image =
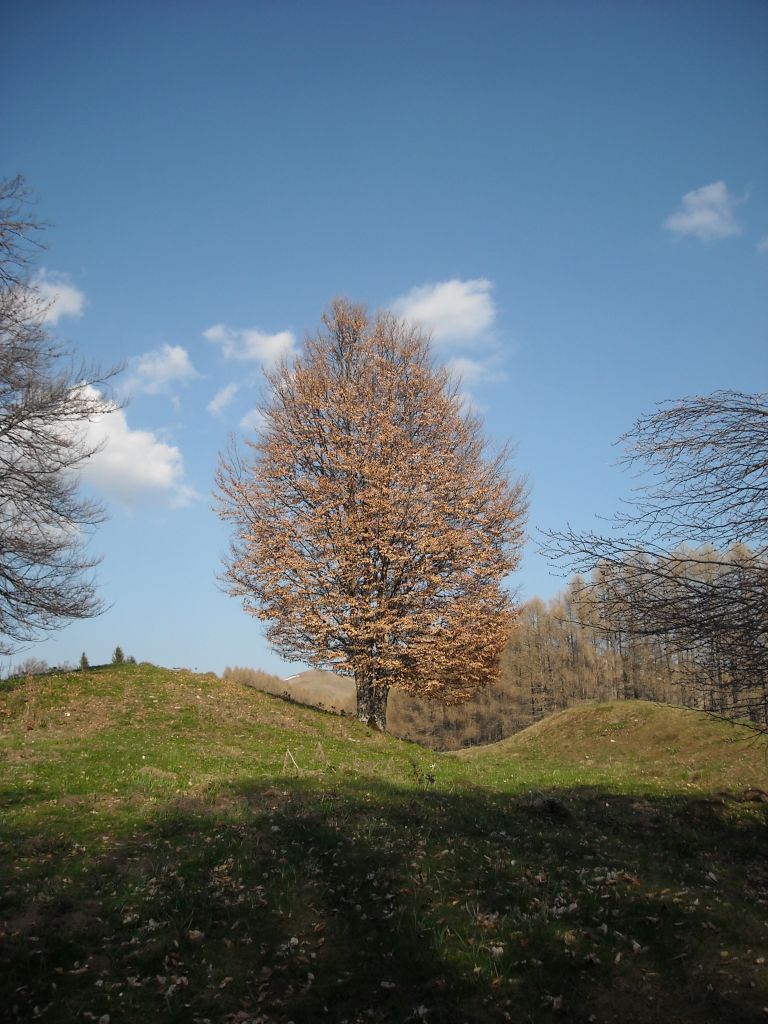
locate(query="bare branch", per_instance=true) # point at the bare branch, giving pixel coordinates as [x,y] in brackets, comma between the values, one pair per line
[45,402]
[687,563]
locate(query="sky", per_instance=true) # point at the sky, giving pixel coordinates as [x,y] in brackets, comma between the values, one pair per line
[572,197]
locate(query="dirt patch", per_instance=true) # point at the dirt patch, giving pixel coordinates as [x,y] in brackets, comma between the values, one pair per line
[27,756]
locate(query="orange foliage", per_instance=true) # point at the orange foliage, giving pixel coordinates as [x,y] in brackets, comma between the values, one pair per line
[372,529]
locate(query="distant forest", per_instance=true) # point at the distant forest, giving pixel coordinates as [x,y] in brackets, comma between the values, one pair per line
[576,648]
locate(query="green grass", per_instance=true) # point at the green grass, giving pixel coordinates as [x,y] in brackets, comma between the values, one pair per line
[175,848]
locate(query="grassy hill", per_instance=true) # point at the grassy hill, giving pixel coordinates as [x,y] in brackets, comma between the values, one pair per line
[631,745]
[177,848]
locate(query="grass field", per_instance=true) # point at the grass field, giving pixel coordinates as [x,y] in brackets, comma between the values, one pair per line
[175,848]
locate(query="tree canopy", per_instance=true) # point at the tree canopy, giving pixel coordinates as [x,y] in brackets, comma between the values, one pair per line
[373,530]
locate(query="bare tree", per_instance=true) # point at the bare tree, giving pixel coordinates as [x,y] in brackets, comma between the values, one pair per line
[372,528]
[18,241]
[45,404]
[687,561]
[29,667]
[706,460]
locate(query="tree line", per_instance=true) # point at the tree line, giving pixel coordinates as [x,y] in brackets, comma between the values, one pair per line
[582,645]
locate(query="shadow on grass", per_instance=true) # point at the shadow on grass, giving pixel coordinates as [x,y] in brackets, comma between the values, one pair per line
[329,898]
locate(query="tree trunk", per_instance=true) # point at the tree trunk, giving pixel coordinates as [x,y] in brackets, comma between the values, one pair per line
[372,702]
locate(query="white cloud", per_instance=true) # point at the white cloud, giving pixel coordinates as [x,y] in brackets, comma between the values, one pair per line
[706,213]
[467,404]
[252,420]
[222,399]
[470,371]
[154,372]
[251,345]
[762,245]
[60,297]
[132,465]
[453,311]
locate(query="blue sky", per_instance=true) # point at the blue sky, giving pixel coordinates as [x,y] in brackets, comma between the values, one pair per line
[573,196]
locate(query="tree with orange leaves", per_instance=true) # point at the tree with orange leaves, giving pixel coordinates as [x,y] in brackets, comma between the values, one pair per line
[373,530]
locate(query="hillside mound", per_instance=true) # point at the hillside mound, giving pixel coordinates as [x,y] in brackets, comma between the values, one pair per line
[641,739]
[177,847]
[195,730]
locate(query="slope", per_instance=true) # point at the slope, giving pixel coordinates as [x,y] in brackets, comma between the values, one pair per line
[636,743]
[174,848]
